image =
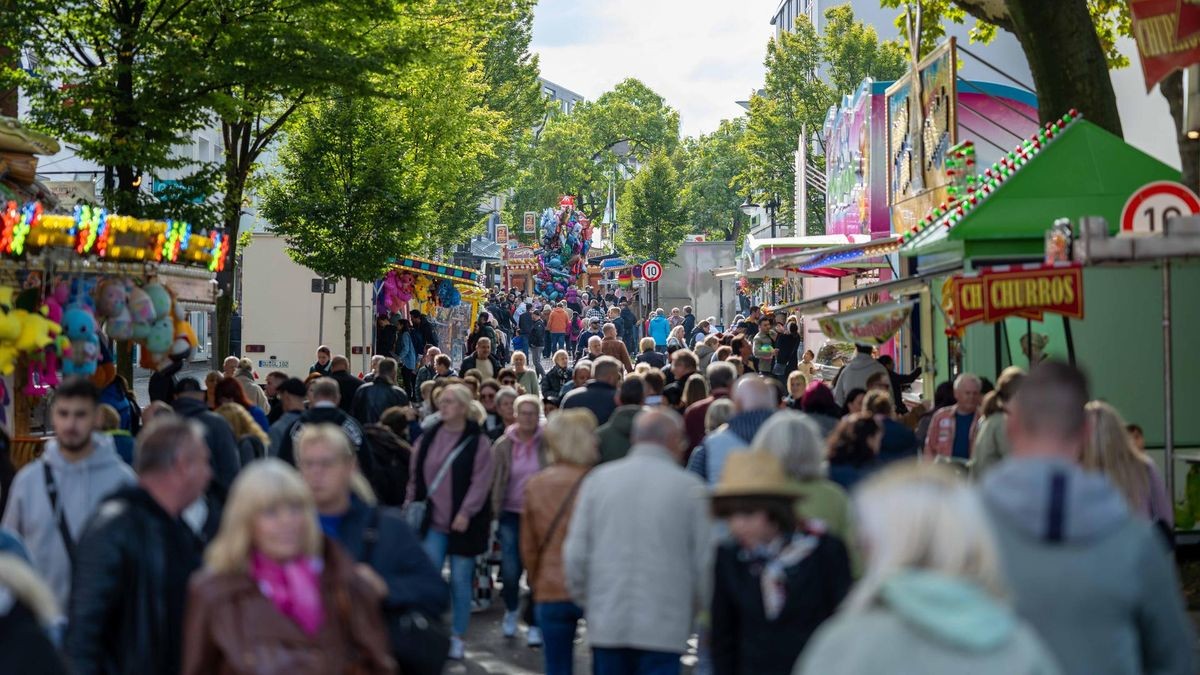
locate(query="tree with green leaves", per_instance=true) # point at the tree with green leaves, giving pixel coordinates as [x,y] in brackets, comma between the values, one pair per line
[795,100]
[712,190]
[598,144]
[340,202]
[125,83]
[289,53]
[653,223]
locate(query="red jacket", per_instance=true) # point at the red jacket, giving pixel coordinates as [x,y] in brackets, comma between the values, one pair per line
[942,428]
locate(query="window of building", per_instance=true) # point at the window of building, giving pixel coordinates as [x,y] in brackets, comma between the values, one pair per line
[202,153]
[549,92]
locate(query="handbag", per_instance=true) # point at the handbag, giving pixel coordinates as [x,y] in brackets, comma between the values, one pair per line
[416,511]
[420,644]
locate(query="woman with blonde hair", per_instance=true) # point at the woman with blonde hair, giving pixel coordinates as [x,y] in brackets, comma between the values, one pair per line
[519,453]
[932,599]
[1111,451]
[570,438]
[252,441]
[654,358]
[275,597]
[452,475]
[210,387]
[718,413]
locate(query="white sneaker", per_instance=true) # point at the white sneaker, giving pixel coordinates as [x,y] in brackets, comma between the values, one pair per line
[457,649]
[510,624]
[534,638]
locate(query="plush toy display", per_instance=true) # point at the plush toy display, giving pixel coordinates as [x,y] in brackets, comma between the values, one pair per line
[566,239]
[112,308]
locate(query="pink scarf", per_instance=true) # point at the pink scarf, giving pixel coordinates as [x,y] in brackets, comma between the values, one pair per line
[294,587]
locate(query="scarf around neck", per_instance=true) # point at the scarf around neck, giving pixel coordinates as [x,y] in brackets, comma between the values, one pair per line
[293,587]
[773,561]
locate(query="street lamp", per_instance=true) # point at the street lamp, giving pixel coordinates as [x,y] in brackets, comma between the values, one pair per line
[772,207]
[748,207]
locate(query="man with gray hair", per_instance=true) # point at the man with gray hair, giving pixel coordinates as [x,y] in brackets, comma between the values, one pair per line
[952,429]
[380,394]
[134,559]
[640,616]
[600,393]
[755,399]
[580,374]
[1091,577]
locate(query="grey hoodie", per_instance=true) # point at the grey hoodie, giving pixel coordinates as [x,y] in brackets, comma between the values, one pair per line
[81,486]
[1093,580]
[854,375]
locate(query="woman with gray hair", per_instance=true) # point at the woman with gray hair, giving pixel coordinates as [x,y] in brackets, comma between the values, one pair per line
[796,440]
[932,596]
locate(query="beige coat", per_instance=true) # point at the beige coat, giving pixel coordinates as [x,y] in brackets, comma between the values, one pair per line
[545,494]
[638,550]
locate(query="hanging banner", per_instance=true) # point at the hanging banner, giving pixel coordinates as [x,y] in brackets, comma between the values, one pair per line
[1167,36]
[873,325]
[502,235]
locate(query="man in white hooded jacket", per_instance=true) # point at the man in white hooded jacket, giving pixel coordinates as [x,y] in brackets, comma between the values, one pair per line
[54,496]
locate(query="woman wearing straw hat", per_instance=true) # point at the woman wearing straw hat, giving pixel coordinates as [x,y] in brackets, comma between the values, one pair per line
[778,579]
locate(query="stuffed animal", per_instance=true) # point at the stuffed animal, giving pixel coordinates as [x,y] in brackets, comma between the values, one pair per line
[112,305]
[405,286]
[79,327]
[141,307]
[160,297]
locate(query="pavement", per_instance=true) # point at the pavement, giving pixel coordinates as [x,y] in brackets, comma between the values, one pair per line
[488,651]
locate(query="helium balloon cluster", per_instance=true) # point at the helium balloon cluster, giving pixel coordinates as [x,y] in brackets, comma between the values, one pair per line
[566,238]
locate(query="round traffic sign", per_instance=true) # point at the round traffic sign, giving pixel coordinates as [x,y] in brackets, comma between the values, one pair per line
[1149,209]
[651,270]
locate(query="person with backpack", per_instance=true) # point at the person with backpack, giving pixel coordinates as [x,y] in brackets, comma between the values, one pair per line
[378,537]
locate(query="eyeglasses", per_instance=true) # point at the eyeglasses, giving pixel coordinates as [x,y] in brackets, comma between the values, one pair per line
[487,397]
[508,382]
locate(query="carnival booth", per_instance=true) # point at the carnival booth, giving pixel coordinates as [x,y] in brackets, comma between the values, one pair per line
[1019,298]
[449,296]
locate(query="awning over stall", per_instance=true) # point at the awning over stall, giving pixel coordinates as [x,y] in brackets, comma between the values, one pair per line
[899,287]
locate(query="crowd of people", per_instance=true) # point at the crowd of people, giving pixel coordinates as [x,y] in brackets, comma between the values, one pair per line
[657,477]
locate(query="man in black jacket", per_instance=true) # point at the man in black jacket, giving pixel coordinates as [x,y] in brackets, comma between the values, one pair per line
[348,384]
[600,393]
[382,393]
[218,435]
[482,356]
[134,559]
[323,396]
[629,327]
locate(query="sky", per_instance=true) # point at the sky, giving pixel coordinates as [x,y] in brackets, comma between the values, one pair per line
[700,55]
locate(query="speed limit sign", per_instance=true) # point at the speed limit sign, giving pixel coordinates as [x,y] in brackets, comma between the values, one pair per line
[1149,209]
[651,270]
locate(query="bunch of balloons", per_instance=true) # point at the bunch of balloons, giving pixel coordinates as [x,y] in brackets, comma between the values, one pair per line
[566,238]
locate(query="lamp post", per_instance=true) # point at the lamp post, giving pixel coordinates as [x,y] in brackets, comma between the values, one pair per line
[772,207]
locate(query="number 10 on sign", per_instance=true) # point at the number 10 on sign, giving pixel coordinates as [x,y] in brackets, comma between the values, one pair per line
[1149,209]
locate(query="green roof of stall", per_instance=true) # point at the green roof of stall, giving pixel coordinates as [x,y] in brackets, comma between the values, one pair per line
[1084,171]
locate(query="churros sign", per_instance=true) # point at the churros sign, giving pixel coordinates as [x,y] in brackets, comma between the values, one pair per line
[1027,292]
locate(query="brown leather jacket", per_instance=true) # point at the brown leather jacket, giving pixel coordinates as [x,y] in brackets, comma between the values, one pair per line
[231,628]
[615,348]
[545,494]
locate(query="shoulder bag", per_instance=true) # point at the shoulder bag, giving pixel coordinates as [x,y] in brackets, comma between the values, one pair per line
[417,511]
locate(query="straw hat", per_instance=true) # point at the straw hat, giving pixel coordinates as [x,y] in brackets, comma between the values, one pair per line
[755,473]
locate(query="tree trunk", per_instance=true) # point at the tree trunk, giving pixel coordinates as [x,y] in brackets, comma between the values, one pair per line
[1189,150]
[231,220]
[125,200]
[1068,64]
[349,300]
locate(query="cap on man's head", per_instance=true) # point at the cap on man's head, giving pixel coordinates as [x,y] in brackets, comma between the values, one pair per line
[293,386]
[188,385]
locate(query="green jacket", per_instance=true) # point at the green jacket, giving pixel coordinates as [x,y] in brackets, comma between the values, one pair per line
[825,500]
[614,434]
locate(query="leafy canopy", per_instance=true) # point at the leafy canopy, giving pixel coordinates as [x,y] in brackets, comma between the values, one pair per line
[653,223]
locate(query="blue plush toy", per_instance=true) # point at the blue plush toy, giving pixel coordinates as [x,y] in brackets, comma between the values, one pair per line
[79,327]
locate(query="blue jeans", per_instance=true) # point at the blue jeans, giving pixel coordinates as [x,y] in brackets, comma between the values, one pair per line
[557,341]
[558,621]
[607,661]
[510,559]
[462,571]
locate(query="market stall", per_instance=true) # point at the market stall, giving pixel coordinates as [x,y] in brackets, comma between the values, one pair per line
[1069,170]
[448,295]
